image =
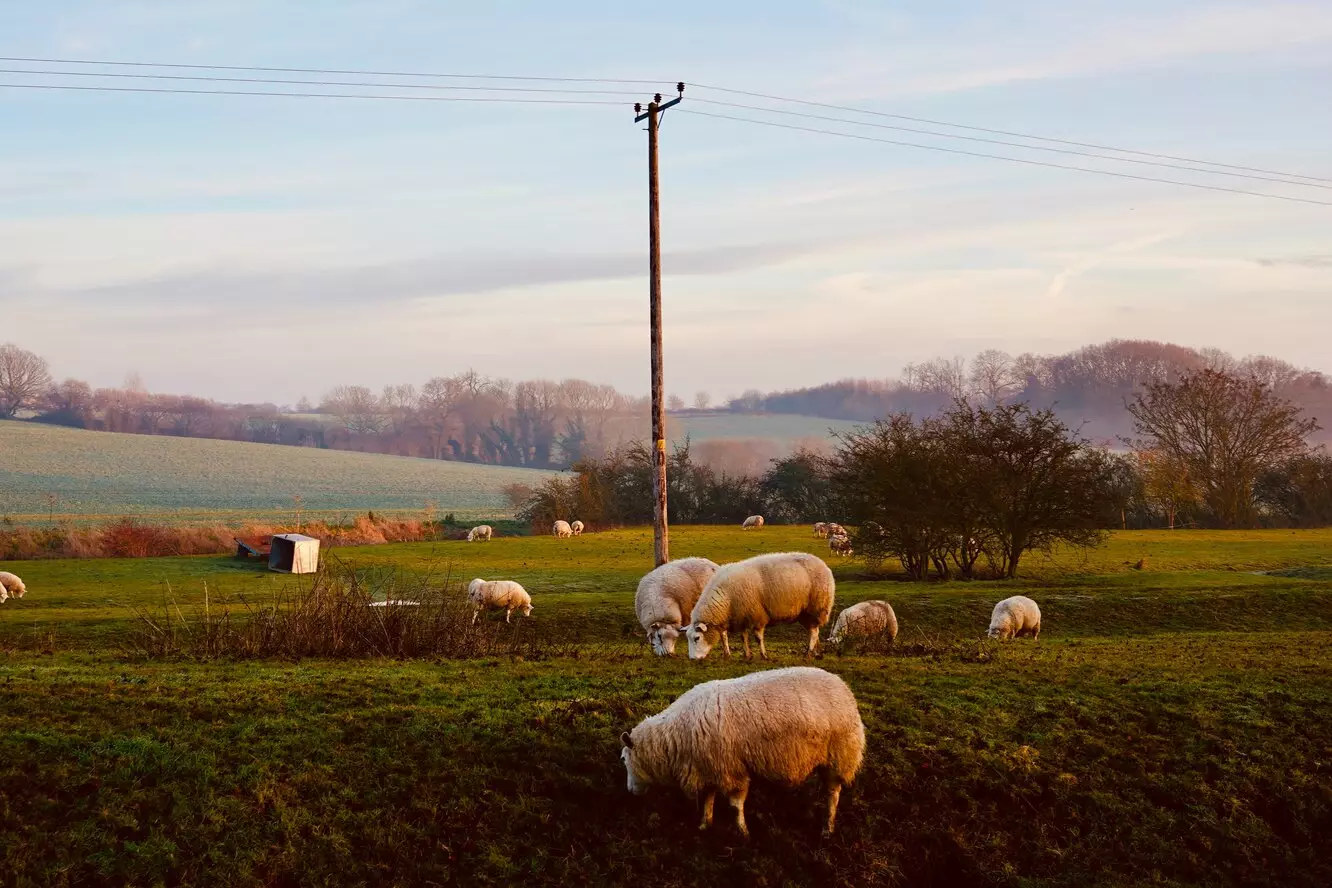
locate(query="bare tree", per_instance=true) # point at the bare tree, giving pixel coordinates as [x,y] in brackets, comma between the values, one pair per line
[675,402]
[1167,483]
[24,379]
[436,406]
[399,403]
[357,407]
[702,400]
[994,376]
[943,376]
[1224,430]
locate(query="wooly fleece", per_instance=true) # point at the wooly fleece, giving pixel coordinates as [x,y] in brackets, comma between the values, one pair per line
[863,620]
[1015,617]
[503,595]
[779,725]
[480,532]
[667,595]
[783,587]
[752,521]
[576,527]
[561,529]
[10,587]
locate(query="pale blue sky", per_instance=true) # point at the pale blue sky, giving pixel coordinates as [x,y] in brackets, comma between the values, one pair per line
[245,248]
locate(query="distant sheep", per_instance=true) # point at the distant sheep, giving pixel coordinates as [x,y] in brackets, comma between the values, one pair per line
[821,529]
[784,587]
[503,595]
[753,522]
[561,529]
[1015,617]
[10,587]
[779,725]
[577,528]
[481,532]
[666,596]
[840,544]
[864,620]
[835,529]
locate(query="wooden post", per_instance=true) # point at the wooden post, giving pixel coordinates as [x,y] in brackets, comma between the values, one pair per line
[660,533]
[661,548]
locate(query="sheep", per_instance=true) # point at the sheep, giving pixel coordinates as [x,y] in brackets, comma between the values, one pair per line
[481,532]
[1014,617]
[840,544]
[753,521]
[10,586]
[863,620]
[821,529]
[666,596]
[561,529]
[780,725]
[782,587]
[577,528]
[496,594]
[835,529]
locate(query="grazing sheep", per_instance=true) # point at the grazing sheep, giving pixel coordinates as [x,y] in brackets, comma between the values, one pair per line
[821,529]
[561,529]
[1015,617]
[577,528]
[496,595]
[864,620]
[10,587]
[480,532]
[784,587]
[836,530]
[840,544]
[753,521]
[665,597]
[780,725]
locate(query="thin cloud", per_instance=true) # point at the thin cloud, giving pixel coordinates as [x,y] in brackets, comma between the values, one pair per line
[1060,280]
[1323,260]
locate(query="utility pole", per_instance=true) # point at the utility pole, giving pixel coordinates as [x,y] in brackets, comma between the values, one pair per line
[660,534]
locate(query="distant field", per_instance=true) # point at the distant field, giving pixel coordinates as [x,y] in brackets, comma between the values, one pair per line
[102,474]
[782,428]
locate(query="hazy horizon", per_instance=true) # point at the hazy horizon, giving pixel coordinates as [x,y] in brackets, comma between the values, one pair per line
[249,249]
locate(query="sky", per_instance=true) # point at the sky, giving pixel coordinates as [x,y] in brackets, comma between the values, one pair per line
[251,249]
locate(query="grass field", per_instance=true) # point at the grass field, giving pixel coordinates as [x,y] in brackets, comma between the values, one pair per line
[1172,726]
[102,475]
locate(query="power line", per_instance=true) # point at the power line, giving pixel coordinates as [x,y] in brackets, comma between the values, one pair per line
[1072,151]
[214,79]
[357,73]
[1039,163]
[999,132]
[302,95]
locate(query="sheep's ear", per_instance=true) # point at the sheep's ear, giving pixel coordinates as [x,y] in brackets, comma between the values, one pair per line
[702,627]
[654,627]
[627,740]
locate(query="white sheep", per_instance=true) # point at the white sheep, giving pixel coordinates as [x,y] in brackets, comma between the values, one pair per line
[577,528]
[783,587]
[754,522]
[868,618]
[835,529]
[666,596]
[840,544]
[821,529]
[10,587]
[480,532]
[1015,617]
[779,725]
[561,529]
[507,595]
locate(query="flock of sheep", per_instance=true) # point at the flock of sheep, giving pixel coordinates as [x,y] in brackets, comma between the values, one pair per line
[781,725]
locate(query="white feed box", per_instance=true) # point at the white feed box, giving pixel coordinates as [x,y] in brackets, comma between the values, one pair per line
[294,553]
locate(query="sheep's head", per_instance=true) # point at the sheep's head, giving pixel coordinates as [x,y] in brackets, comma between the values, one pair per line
[527,610]
[636,782]
[702,639]
[997,632]
[662,637]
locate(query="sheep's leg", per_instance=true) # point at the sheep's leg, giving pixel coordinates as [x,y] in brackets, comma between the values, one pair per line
[834,795]
[475,614]
[709,796]
[813,639]
[737,799]
[508,614]
[1036,633]
[745,636]
[763,649]
[726,642]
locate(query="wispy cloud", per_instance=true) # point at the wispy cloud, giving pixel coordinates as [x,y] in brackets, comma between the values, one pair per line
[1087,263]
[1313,261]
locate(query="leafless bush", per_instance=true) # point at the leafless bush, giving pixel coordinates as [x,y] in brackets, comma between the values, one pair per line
[331,616]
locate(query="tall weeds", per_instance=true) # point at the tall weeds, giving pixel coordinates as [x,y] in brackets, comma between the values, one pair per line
[343,613]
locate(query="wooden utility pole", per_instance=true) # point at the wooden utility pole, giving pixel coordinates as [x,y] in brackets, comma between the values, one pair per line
[661,548]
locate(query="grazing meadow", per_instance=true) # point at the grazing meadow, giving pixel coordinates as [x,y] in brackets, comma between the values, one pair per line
[1173,726]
